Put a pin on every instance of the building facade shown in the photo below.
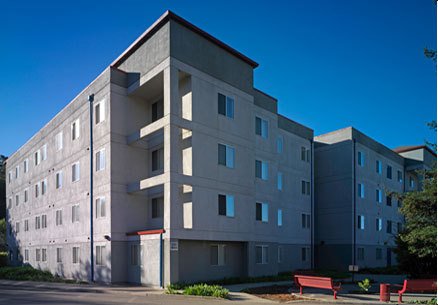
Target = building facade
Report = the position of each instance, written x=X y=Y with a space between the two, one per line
x=357 y=213
x=195 y=175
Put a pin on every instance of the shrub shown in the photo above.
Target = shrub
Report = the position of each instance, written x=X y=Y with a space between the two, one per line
x=206 y=290
x=365 y=285
x=3 y=259
x=26 y=273
x=432 y=301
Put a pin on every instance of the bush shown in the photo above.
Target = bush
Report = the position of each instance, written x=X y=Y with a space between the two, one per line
x=432 y=301
x=365 y=285
x=206 y=290
x=3 y=259
x=27 y=273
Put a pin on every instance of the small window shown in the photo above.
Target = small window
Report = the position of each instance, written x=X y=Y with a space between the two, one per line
x=99 y=112
x=44 y=187
x=279 y=144
x=43 y=221
x=361 y=190
x=100 y=255
x=379 y=167
x=100 y=207
x=135 y=255
x=361 y=222
x=305 y=187
x=17 y=171
x=279 y=218
x=389 y=226
x=388 y=200
x=226 y=155
x=38 y=255
x=44 y=254
x=158 y=159
x=17 y=227
x=59 y=141
x=225 y=105
x=305 y=221
x=37 y=223
x=379 y=196
x=400 y=176
x=379 y=224
x=17 y=199
x=157 y=110
x=261 y=169
x=59 y=255
x=389 y=172
x=26 y=165
x=226 y=205
x=280 y=181
x=9 y=203
x=157 y=207
x=360 y=254
x=59 y=180
x=26 y=255
x=262 y=212
x=75 y=255
x=305 y=254
x=75 y=213
x=100 y=160
x=37 y=157
x=217 y=255
x=44 y=152
x=9 y=177
x=378 y=253
x=37 y=190
x=26 y=225
x=75 y=130
x=58 y=220
x=75 y=172
x=261 y=127
x=261 y=254
x=360 y=158
x=26 y=195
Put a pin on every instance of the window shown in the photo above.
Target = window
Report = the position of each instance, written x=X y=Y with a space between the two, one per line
x=399 y=176
x=75 y=255
x=75 y=172
x=388 y=200
x=261 y=127
x=99 y=112
x=100 y=255
x=17 y=227
x=9 y=177
x=378 y=253
x=279 y=218
x=379 y=196
x=280 y=181
x=305 y=154
x=44 y=187
x=280 y=254
x=217 y=255
x=26 y=225
x=225 y=105
x=360 y=158
x=305 y=254
x=17 y=171
x=75 y=130
x=262 y=211
x=43 y=221
x=100 y=160
x=38 y=255
x=44 y=152
x=389 y=226
x=59 y=255
x=26 y=165
x=58 y=220
x=361 y=222
x=360 y=190
x=37 y=157
x=379 y=167
x=75 y=213
x=305 y=221
x=305 y=187
x=157 y=110
x=44 y=254
x=37 y=223
x=399 y=203
x=261 y=254
x=59 y=179
x=26 y=195
x=279 y=144
x=379 y=224
x=135 y=255
x=158 y=159
x=411 y=182
x=37 y=190
x=58 y=140
x=17 y=199
x=360 y=254
x=399 y=227
x=226 y=155
x=100 y=207
x=226 y=205
x=261 y=169
x=26 y=255
x=389 y=172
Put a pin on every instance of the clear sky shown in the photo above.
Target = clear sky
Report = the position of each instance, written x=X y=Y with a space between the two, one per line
x=331 y=64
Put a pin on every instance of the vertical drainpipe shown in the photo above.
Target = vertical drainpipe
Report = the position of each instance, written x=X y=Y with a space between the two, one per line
x=90 y=100
x=161 y=260
x=312 y=209
x=354 y=202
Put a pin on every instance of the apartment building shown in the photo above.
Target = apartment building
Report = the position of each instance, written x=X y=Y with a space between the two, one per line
x=195 y=175
x=356 y=207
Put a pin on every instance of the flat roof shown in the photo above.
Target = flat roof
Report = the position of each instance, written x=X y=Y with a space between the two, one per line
x=402 y=149
x=167 y=16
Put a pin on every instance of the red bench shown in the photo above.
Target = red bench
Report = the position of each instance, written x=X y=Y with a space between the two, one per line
x=316 y=282
x=417 y=286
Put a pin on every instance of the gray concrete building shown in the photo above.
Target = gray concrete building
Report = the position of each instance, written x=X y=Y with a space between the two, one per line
x=195 y=174
x=356 y=210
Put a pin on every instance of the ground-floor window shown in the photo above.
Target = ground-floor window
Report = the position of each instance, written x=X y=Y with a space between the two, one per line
x=261 y=254
x=59 y=255
x=378 y=253
x=217 y=255
x=75 y=255
x=44 y=254
x=360 y=254
x=100 y=255
x=305 y=254
x=135 y=255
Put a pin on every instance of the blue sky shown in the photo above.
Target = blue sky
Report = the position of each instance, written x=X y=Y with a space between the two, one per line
x=331 y=64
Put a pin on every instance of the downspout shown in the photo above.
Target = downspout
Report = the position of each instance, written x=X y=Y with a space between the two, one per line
x=90 y=100
x=312 y=209
x=354 y=202
x=161 y=260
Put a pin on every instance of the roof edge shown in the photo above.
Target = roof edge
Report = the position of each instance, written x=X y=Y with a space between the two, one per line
x=414 y=147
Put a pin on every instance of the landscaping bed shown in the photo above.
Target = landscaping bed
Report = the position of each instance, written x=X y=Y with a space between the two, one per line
x=278 y=293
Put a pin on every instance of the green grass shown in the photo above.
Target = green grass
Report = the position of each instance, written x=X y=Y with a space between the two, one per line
x=198 y=289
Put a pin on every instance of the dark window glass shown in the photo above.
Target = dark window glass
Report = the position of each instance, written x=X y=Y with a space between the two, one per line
x=258 y=169
x=258 y=211
x=258 y=126
x=221 y=108
x=157 y=110
x=389 y=172
x=388 y=226
x=222 y=205
x=214 y=260
x=388 y=200
x=222 y=154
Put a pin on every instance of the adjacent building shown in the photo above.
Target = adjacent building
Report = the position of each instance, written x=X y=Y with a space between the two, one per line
x=357 y=183
x=191 y=173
